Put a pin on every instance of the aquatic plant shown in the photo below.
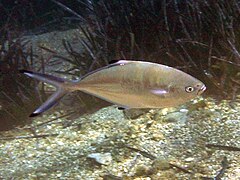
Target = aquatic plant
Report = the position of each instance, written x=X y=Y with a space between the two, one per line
x=33 y=17
x=18 y=94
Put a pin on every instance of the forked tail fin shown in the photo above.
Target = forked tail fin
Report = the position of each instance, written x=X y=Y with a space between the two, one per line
x=59 y=83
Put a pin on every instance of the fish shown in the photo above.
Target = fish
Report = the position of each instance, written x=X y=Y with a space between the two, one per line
x=127 y=84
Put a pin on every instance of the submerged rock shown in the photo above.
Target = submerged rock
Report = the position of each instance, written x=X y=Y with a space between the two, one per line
x=180 y=117
x=134 y=113
x=101 y=158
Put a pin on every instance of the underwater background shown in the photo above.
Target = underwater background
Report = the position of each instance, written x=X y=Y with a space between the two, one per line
x=84 y=137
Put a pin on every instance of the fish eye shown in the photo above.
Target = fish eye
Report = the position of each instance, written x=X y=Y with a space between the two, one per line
x=189 y=89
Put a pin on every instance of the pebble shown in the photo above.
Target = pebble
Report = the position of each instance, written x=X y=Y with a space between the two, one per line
x=101 y=158
x=180 y=117
x=103 y=141
x=183 y=110
x=189 y=159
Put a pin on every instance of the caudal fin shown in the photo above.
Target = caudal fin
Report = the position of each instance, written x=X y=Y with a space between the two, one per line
x=59 y=83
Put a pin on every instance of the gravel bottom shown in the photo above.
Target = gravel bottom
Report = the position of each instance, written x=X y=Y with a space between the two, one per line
x=167 y=143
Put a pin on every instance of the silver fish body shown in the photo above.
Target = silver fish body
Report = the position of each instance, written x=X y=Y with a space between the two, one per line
x=136 y=84
x=129 y=84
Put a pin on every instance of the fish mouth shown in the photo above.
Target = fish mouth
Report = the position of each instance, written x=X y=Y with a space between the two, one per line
x=201 y=90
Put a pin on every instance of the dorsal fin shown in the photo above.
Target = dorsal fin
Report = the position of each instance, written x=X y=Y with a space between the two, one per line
x=117 y=63
x=113 y=61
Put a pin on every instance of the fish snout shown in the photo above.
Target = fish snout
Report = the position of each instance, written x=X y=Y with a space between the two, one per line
x=202 y=89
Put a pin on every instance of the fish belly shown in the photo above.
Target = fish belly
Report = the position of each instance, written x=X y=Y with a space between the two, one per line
x=127 y=98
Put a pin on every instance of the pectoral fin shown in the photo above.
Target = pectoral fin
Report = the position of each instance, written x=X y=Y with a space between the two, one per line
x=159 y=92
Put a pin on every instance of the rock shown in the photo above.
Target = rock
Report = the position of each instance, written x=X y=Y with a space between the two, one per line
x=134 y=113
x=101 y=158
x=142 y=170
x=183 y=110
x=197 y=105
x=180 y=117
x=189 y=159
x=160 y=164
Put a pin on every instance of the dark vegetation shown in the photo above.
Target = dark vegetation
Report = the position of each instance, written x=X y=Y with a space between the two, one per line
x=199 y=37
x=18 y=94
